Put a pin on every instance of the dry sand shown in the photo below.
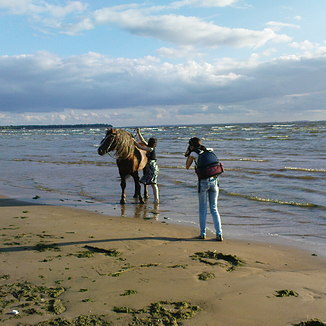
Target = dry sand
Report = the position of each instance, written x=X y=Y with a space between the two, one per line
x=100 y=262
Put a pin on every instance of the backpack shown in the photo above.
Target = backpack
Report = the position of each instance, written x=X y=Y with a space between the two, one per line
x=208 y=165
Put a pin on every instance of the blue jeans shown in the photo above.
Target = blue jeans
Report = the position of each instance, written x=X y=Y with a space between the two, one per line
x=208 y=188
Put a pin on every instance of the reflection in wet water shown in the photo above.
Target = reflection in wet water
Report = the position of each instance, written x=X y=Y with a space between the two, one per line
x=142 y=211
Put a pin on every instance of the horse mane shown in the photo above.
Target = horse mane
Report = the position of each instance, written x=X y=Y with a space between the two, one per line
x=124 y=144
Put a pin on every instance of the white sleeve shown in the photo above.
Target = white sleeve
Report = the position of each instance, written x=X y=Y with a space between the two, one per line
x=194 y=155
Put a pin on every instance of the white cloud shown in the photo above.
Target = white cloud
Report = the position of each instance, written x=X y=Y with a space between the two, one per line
x=135 y=19
x=93 y=87
x=276 y=26
x=48 y=15
x=185 y=31
x=33 y=7
x=203 y=3
x=309 y=49
x=179 y=52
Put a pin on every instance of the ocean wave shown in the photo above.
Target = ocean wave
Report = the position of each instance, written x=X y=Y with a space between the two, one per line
x=275 y=201
x=304 y=169
x=303 y=177
x=244 y=159
x=251 y=160
x=246 y=171
x=280 y=137
x=79 y=162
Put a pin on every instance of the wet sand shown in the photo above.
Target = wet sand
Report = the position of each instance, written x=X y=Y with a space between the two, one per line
x=62 y=263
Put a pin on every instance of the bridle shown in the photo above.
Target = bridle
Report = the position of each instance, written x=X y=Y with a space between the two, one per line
x=110 y=144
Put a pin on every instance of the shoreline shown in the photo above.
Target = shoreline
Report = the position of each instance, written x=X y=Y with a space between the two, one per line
x=102 y=262
x=149 y=211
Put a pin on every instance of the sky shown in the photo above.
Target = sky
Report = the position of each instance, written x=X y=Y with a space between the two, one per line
x=147 y=63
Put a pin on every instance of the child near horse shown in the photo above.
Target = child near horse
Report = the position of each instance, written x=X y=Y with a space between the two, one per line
x=151 y=169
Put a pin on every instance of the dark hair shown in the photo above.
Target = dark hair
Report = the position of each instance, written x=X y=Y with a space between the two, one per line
x=194 y=143
x=152 y=142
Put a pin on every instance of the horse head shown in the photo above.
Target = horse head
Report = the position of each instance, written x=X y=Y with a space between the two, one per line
x=108 y=142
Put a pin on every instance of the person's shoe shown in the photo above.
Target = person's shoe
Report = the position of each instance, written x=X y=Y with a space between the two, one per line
x=201 y=236
x=219 y=237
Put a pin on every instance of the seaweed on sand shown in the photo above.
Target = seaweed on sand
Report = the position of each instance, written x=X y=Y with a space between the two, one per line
x=204 y=276
x=91 y=250
x=107 y=252
x=83 y=254
x=214 y=258
x=43 y=246
x=312 y=322
x=90 y=320
x=128 y=292
x=286 y=293
x=30 y=298
x=161 y=313
x=129 y=268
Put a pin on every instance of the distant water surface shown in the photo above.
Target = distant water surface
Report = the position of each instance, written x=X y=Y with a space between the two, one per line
x=273 y=187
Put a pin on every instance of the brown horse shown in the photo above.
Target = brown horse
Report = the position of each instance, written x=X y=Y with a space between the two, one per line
x=130 y=159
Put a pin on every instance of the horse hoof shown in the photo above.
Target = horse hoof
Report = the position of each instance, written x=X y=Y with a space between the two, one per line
x=122 y=201
x=141 y=201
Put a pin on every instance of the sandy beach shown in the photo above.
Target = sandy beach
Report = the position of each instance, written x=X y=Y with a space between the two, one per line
x=65 y=266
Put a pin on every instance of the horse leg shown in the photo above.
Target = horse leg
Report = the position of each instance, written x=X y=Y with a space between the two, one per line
x=123 y=189
x=137 y=187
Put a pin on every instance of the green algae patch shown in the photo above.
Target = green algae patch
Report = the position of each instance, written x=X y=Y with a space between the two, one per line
x=286 y=293
x=215 y=258
x=43 y=247
x=312 y=322
x=178 y=266
x=87 y=320
x=83 y=254
x=129 y=268
x=29 y=299
x=204 y=276
x=128 y=292
x=56 y=306
x=161 y=313
x=107 y=252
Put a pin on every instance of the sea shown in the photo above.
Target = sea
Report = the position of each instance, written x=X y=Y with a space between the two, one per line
x=273 y=188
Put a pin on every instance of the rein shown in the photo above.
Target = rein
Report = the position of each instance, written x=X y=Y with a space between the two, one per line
x=110 y=144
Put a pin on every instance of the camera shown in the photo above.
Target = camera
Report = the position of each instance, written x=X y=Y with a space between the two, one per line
x=188 y=151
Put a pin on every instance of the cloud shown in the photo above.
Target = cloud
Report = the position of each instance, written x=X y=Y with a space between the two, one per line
x=184 y=30
x=203 y=3
x=179 y=52
x=44 y=82
x=276 y=26
x=58 y=17
x=309 y=49
x=94 y=86
x=73 y=18
x=32 y=7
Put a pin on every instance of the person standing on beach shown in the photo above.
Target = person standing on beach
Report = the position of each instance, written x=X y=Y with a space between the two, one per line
x=151 y=169
x=207 y=188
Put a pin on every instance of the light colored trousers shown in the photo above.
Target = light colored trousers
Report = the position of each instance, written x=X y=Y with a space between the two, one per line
x=208 y=189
